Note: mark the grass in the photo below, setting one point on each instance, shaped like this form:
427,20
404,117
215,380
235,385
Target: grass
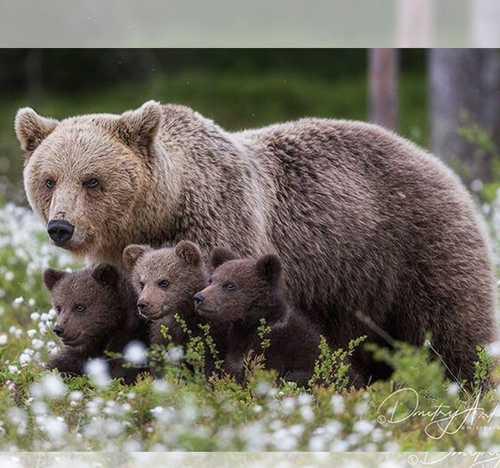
182,411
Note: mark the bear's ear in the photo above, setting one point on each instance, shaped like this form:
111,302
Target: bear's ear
132,253
52,277
139,127
269,268
32,129
220,255
189,252
106,274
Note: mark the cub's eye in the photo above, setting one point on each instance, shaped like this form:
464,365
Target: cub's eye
229,286
58,309
79,308
141,285
163,284
209,280
50,183
91,183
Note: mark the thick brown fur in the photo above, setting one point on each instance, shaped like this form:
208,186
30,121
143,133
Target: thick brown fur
241,293
165,281
95,314
365,223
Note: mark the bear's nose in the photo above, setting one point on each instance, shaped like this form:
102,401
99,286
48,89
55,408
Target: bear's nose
142,307
198,299
58,330
60,231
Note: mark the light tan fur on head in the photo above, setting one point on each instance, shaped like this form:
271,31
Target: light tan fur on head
91,171
32,129
165,279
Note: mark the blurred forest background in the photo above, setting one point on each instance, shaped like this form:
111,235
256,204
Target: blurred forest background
446,100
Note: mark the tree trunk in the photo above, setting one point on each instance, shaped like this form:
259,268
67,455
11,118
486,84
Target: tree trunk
384,87
464,102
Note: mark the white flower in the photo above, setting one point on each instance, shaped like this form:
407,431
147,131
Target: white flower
453,389
135,353
338,405
494,349
75,396
305,399
55,427
24,359
13,369
363,427
161,386
174,355
288,405
317,444
37,344
3,339
361,408
52,386
307,413
97,370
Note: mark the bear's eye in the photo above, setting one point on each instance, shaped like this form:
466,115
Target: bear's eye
163,284
210,280
58,309
79,308
91,183
141,285
50,183
229,286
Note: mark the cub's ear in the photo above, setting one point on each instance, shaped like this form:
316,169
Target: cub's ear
132,253
106,274
32,129
219,256
269,268
52,277
139,127
189,252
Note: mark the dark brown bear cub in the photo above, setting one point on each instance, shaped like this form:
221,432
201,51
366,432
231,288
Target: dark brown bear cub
95,314
241,293
166,280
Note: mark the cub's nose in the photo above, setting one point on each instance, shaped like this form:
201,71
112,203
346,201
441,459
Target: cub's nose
60,231
58,330
142,307
198,299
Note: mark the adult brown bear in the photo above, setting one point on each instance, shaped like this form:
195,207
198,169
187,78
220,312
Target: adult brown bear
363,221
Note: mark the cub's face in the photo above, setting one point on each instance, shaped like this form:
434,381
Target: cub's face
87,305
165,279
83,175
239,289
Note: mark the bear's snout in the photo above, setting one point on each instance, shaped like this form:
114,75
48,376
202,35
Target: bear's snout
142,308
60,231
58,330
198,298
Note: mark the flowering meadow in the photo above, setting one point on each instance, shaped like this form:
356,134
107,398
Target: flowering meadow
418,410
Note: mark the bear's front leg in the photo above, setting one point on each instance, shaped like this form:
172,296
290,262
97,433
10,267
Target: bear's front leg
68,362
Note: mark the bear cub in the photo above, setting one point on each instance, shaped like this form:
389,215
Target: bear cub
165,281
95,314
240,293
